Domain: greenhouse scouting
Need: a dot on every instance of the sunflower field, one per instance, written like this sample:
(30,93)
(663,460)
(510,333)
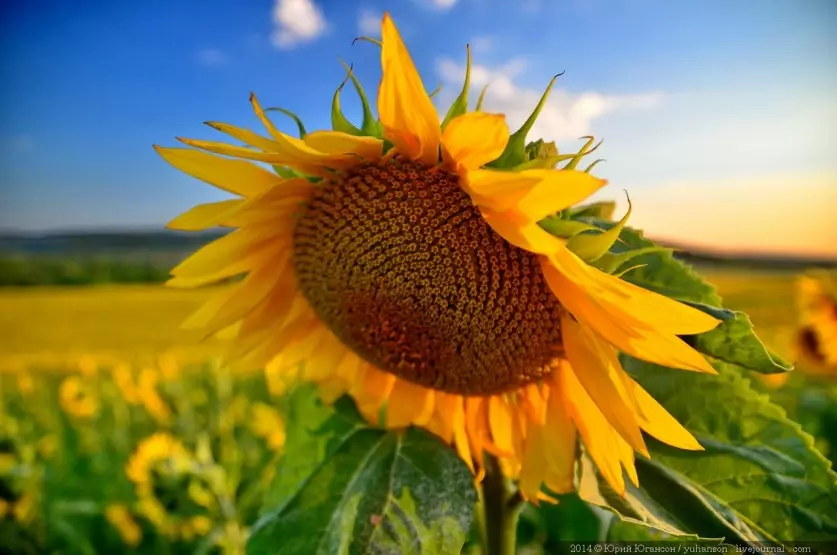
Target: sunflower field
(116,441)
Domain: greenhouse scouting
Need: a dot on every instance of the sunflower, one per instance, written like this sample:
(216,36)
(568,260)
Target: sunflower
(816,339)
(403,263)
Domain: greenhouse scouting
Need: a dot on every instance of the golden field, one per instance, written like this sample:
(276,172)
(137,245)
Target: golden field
(120,433)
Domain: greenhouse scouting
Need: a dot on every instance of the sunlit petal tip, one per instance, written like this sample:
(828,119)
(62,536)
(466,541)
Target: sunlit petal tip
(407,114)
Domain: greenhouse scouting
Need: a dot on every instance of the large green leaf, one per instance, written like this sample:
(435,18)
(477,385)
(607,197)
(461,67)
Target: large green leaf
(312,431)
(573,522)
(760,477)
(735,341)
(373,492)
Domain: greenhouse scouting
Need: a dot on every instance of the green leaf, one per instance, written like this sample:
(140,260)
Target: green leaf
(574,521)
(591,247)
(299,125)
(312,431)
(602,210)
(374,492)
(287,173)
(735,341)
(515,151)
(460,105)
(583,151)
(565,228)
(760,478)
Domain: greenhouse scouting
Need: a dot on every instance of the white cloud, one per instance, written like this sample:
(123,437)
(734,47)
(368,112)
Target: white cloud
(369,22)
(212,57)
(482,44)
(565,116)
(296,21)
(441,4)
(21,143)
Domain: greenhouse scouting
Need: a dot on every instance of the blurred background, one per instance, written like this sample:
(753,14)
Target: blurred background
(719,120)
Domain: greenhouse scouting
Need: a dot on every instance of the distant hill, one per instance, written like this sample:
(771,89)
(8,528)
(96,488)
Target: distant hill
(146,256)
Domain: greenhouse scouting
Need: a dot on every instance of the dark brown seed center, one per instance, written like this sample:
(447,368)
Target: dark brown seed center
(401,266)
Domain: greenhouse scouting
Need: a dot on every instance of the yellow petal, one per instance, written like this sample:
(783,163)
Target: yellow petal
(335,142)
(596,369)
(325,358)
(556,191)
(235,176)
(441,422)
(527,236)
(248,259)
(475,428)
(656,420)
(474,139)
(598,436)
(618,328)
(251,291)
(460,436)
(652,309)
(370,396)
(497,190)
(248,137)
(500,424)
(217,255)
(534,467)
(407,115)
(302,163)
(409,403)
(205,216)
(303,150)
(560,451)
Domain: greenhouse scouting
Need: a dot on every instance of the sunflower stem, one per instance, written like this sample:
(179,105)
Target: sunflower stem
(501,507)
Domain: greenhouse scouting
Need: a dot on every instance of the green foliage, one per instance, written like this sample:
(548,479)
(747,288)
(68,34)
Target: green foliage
(30,271)
(735,341)
(370,491)
(59,471)
(760,477)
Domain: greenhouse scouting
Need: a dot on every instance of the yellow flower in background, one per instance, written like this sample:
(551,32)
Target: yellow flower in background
(124,379)
(268,424)
(816,341)
(25,383)
(77,398)
(418,280)
(150,397)
(169,367)
(123,521)
(156,449)
(87,366)
(159,463)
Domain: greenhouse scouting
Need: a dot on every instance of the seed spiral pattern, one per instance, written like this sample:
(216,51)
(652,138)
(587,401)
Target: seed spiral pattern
(397,261)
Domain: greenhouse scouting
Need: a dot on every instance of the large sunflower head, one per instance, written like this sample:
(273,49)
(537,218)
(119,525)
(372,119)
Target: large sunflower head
(403,263)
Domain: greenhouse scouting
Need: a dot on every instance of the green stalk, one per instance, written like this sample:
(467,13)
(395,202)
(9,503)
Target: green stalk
(500,510)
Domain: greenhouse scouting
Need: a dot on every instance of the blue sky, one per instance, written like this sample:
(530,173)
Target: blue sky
(699,101)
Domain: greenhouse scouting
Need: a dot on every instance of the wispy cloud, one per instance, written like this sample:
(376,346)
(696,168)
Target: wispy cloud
(369,22)
(565,116)
(439,4)
(212,57)
(296,21)
(482,44)
(23,142)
